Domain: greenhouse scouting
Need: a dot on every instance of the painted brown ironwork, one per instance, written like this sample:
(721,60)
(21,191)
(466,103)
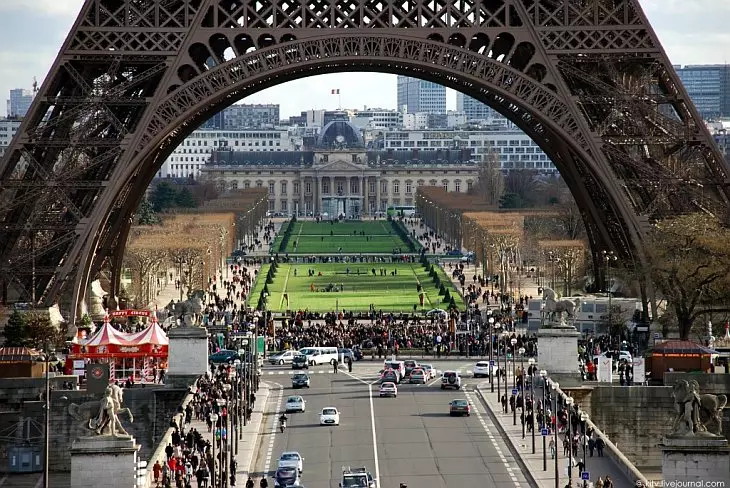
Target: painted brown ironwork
(586,79)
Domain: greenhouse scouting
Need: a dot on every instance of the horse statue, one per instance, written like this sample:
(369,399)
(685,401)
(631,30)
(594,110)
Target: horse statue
(190,311)
(697,414)
(556,308)
(110,406)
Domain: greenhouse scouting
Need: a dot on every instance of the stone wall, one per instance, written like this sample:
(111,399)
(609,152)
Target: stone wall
(635,419)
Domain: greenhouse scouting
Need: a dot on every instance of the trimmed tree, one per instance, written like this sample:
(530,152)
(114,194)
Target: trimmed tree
(16,330)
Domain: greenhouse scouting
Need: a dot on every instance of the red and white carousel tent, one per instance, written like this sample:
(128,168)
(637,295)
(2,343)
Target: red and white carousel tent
(138,355)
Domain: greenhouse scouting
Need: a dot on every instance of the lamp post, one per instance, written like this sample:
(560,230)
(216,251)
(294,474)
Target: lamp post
(521,351)
(608,256)
(555,388)
(237,401)
(491,350)
(222,406)
(531,367)
(213,472)
(513,341)
(498,326)
(569,401)
(180,263)
(47,419)
(583,419)
(543,375)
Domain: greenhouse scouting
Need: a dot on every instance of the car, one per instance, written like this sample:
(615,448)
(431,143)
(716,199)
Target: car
(397,366)
(357,478)
(409,365)
(429,370)
(299,362)
(459,407)
(224,356)
(418,377)
(300,380)
(346,353)
(285,357)
(389,375)
(292,459)
(295,403)
(287,476)
(329,416)
(388,389)
(451,379)
(481,369)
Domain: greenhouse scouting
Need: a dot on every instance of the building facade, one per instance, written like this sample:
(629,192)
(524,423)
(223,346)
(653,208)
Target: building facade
(416,96)
(474,109)
(189,157)
(339,176)
(514,148)
(259,116)
(8,128)
(19,102)
(709,88)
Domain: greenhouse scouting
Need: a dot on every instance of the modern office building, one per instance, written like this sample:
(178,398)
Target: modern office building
(709,88)
(259,116)
(19,102)
(474,109)
(8,128)
(377,118)
(189,157)
(415,96)
(515,148)
(338,175)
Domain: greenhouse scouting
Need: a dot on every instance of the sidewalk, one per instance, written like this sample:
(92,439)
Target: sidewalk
(533,463)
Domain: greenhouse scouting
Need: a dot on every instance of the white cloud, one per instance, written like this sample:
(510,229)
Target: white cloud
(50,7)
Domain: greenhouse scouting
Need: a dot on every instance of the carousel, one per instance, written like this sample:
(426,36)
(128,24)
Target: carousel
(138,356)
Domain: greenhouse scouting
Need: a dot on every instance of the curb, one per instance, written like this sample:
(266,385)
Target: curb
(257,443)
(508,441)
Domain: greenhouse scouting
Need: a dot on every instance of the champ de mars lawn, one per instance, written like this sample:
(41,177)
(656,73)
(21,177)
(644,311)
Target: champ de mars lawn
(396,291)
(331,237)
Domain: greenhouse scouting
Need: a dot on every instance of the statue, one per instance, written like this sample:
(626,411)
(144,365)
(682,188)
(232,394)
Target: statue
(190,311)
(557,309)
(697,415)
(110,406)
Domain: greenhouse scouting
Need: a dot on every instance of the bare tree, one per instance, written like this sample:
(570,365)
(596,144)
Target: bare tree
(522,185)
(491,180)
(570,220)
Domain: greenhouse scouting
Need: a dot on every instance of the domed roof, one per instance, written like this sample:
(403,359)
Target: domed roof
(340,134)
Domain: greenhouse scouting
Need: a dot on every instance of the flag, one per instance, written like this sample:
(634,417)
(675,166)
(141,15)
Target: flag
(335,91)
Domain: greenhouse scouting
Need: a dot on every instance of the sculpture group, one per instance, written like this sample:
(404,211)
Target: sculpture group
(557,310)
(697,414)
(189,312)
(106,422)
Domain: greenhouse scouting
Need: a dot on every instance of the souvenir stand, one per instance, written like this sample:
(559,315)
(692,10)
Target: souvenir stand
(136,355)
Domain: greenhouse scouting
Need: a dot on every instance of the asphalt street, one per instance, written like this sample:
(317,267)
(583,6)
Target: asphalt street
(409,439)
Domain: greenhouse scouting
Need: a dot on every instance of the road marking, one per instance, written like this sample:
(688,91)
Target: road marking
(493,440)
(372,423)
(274,425)
(434,381)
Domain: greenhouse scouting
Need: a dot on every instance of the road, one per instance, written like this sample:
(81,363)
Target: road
(409,439)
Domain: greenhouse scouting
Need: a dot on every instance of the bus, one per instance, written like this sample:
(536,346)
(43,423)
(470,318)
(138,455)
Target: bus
(401,211)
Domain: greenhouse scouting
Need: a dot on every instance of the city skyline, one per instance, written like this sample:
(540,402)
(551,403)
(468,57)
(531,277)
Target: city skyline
(691,33)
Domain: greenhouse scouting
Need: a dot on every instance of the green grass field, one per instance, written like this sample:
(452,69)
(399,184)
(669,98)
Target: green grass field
(388,293)
(309,237)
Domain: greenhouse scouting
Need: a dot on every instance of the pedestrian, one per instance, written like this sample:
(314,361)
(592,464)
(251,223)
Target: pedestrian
(335,366)
(249,482)
(600,444)
(591,445)
(599,483)
(608,482)
(552,448)
(156,471)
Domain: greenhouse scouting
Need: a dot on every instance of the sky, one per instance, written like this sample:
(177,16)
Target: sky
(32,32)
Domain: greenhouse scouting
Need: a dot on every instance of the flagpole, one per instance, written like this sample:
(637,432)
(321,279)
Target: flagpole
(339,100)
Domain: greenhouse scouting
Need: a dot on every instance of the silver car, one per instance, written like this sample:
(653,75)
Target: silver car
(285,357)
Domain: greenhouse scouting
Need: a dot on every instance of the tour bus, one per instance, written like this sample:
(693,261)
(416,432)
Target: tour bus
(320,355)
(405,211)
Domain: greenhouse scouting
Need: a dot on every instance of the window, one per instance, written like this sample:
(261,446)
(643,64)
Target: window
(409,187)
(354,187)
(234,185)
(384,187)
(469,185)
(296,188)
(325,186)
(446,185)
(259,184)
(271,187)
(247,184)
(372,187)
(396,187)
(283,206)
(283,188)
(340,188)
(271,205)
(308,187)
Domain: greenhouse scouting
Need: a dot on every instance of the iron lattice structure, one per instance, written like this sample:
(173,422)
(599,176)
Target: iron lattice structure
(587,79)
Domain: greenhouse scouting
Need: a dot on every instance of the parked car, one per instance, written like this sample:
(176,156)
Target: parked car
(224,356)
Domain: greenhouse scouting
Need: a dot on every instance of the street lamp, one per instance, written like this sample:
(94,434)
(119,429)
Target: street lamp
(584,419)
(608,256)
(491,350)
(521,351)
(569,401)
(514,381)
(180,263)
(531,367)
(213,472)
(497,327)
(237,401)
(556,389)
(543,375)
(222,406)
(47,419)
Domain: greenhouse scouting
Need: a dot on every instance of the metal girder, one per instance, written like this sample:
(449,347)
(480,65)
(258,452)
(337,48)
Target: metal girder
(587,80)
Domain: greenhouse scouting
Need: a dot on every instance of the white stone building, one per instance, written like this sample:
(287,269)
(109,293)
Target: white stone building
(8,128)
(339,176)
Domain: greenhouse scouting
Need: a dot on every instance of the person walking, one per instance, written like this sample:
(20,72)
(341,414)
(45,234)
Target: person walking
(600,444)
(335,366)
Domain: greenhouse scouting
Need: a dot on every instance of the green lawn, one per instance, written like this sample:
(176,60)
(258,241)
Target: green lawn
(388,293)
(329,237)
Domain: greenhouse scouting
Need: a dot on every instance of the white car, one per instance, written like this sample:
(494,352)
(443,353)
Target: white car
(329,416)
(291,459)
(429,370)
(388,389)
(285,357)
(295,404)
(481,369)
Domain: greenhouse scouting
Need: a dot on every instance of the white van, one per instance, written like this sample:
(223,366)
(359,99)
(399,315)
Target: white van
(320,355)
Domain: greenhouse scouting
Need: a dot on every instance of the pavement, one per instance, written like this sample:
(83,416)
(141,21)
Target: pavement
(409,439)
(522,447)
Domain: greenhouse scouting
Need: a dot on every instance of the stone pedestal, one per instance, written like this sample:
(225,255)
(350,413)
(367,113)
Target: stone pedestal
(695,460)
(557,353)
(187,355)
(104,461)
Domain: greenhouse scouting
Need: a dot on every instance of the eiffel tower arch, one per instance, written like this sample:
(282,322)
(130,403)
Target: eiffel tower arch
(587,79)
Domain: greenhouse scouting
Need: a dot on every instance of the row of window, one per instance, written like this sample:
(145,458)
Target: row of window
(384,204)
(340,186)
